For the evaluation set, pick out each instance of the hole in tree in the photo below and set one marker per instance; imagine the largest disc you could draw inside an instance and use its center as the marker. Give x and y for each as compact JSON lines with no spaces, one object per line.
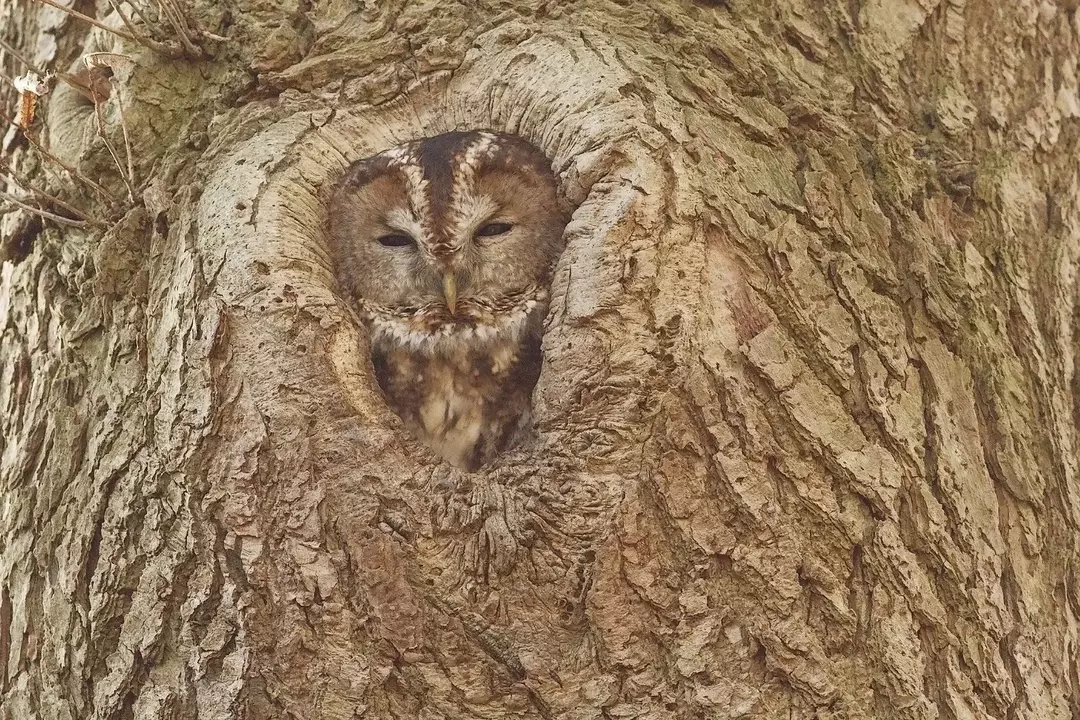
{"x":455,"y":327}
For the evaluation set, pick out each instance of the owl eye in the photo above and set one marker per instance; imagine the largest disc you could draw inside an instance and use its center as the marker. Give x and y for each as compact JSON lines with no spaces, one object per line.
{"x":493,"y":228}
{"x":395,"y":240}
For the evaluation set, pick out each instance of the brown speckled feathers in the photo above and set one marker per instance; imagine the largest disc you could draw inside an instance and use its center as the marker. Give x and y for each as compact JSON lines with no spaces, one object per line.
{"x":446,"y":246}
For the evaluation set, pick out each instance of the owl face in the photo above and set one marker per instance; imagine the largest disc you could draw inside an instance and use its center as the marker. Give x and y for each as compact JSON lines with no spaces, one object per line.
{"x":448,"y":239}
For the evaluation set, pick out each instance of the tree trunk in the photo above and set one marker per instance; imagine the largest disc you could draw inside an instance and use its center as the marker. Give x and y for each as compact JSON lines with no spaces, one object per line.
{"x":807,"y":437}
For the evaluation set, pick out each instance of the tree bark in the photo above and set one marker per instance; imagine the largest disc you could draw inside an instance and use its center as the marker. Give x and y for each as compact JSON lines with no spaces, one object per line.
{"x":807,"y":436}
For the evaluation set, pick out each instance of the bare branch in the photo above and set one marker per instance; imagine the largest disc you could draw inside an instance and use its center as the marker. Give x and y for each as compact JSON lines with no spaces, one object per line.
{"x":100,"y":122}
{"x":149,"y":23}
{"x":127,"y":143}
{"x":75,"y":173}
{"x":63,"y":77}
{"x":176,"y":18}
{"x":87,"y":18}
{"x":10,"y":175}
{"x":43,"y":213}
{"x":142,"y":39}
{"x":20,"y":57}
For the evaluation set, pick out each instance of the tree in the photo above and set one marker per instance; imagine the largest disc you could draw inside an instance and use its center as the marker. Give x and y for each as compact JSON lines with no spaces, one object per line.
{"x":808,"y":427}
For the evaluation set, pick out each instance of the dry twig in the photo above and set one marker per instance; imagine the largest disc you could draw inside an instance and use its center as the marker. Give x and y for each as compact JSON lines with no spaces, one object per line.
{"x":75,"y":173}
{"x":127,"y":143}
{"x":166,"y":9}
{"x":175,"y":16}
{"x":87,"y":18}
{"x":43,"y":213}
{"x":9,"y":174}
{"x":146,"y":20}
{"x":100,"y":67}
{"x":100,"y":123}
{"x":142,"y":39}
{"x":20,"y":57}
{"x":63,"y":77}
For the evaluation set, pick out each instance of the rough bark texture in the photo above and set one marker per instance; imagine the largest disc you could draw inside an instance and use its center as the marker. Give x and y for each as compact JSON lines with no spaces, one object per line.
{"x":807,"y":440}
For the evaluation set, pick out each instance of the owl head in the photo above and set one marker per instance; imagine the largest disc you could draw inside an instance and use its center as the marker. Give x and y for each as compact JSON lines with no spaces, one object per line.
{"x":448,"y":238}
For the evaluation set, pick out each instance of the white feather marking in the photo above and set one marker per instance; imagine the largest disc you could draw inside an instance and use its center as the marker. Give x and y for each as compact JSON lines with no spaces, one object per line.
{"x":398,"y":155}
{"x":418,"y":200}
{"x":508,"y":328}
{"x":402,"y":220}
{"x":466,"y":209}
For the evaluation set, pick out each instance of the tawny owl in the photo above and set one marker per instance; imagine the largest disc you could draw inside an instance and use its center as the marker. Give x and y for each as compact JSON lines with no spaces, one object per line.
{"x":446,"y":246}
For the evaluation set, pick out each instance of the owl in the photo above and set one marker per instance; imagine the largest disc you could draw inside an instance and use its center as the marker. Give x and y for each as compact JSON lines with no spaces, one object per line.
{"x":446,"y":246}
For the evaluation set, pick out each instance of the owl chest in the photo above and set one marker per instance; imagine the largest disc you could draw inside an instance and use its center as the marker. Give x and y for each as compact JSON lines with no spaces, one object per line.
{"x":453,"y":401}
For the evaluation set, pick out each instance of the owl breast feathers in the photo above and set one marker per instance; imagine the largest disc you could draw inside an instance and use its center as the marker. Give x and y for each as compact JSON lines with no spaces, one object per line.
{"x":446,"y":246}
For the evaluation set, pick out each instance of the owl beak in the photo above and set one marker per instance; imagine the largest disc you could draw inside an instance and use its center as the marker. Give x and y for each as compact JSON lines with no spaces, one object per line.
{"x":449,"y":287}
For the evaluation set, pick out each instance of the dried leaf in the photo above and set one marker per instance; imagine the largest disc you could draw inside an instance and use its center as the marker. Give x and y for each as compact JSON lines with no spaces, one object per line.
{"x":116,"y":61}
{"x":93,"y":83}
{"x":30,"y":87}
